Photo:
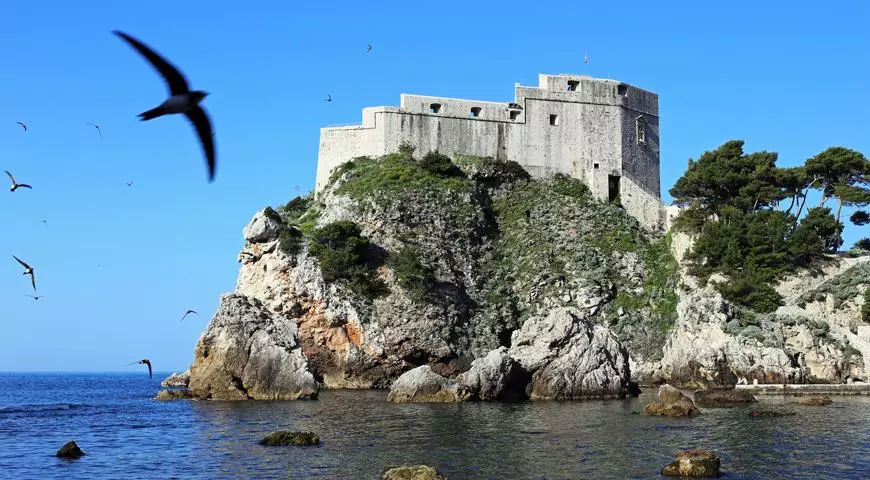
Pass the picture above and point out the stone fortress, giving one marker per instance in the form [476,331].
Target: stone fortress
[601,131]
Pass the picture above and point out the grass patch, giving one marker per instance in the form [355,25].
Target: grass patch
[346,256]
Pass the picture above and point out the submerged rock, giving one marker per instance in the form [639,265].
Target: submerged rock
[169,395]
[177,380]
[570,357]
[671,403]
[764,412]
[816,401]
[723,397]
[249,353]
[278,438]
[413,472]
[423,385]
[694,463]
[495,377]
[70,450]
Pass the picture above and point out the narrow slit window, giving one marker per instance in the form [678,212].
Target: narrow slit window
[640,123]
[475,111]
[554,119]
[434,108]
[572,85]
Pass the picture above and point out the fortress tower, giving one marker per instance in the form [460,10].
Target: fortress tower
[601,131]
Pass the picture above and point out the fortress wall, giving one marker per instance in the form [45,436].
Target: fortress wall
[340,144]
[455,107]
[640,204]
[640,161]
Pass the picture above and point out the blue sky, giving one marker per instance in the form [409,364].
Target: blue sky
[118,266]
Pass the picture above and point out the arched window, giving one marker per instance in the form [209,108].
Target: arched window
[640,124]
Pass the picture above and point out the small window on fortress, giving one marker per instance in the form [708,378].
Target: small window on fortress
[434,108]
[595,166]
[475,111]
[554,119]
[572,85]
[641,129]
[514,114]
[622,89]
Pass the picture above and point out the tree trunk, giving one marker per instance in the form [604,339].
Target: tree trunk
[793,197]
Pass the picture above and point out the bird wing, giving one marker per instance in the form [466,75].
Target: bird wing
[22,125]
[200,121]
[10,176]
[33,280]
[21,262]
[174,79]
[24,185]
[149,368]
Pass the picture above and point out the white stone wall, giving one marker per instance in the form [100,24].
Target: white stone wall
[594,135]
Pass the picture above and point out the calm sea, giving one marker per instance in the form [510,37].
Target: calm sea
[127,435]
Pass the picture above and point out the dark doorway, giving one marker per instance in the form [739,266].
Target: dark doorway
[612,187]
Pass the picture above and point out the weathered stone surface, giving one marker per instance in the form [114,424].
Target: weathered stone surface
[495,377]
[413,472]
[249,353]
[671,403]
[174,394]
[570,357]
[70,450]
[723,397]
[262,228]
[694,463]
[177,380]
[816,401]
[280,438]
[423,385]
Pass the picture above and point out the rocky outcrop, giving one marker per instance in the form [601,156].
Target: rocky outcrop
[423,385]
[281,439]
[671,403]
[70,450]
[248,353]
[264,226]
[694,463]
[411,472]
[496,376]
[723,397]
[169,395]
[815,401]
[177,380]
[570,358]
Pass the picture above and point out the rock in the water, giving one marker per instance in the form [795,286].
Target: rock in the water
[70,450]
[177,380]
[423,385]
[723,397]
[694,463]
[279,439]
[816,401]
[263,227]
[413,472]
[671,403]
[764,412]
[169,395]
[570,357]
[249,353]
[495,377]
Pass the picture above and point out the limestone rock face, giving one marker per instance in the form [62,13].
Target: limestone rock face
[570,358]
[495,377]
[177,380]
[423,385]
[413,472]
[723,397]
[671,403]
[247,353]
[694,463]
[170,395]
[262,227]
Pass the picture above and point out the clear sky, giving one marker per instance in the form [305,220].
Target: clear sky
[119,265]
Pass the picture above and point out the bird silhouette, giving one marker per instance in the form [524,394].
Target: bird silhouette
[35,297]
[28,270]
[22,126]
[16,185]
[130,183]
[97,127]
[328,97]
[370,48]
[181,100]
[188,313]
[144,361]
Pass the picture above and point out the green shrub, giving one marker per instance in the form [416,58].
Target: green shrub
[865,309]
[438,164]
[396,173]
[296,207]
[344,255]
[863,244]
[569,186]
[269,212]
[410,272]
[406,149]
[290,240]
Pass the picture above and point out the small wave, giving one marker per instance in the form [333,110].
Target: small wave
[39,407]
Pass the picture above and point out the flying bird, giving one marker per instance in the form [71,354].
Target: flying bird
[22,126]
[97,127]
[28,270]
[35,297]
[370,48]
[130,183]
[144,361]
[16,185]
[188,313]
[181,100]
[328,97]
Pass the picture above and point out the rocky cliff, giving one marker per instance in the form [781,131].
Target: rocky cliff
[404,262]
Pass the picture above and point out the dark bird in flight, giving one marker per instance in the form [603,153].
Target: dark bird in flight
[130,183]
[45,222]
[97,127]
[188,313]
[370,47]
[22,126]
[28,270]
[16,185]
[181,100]
[144,361]
[35,297]
[328,97]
